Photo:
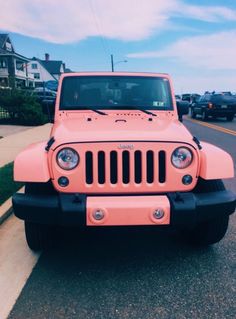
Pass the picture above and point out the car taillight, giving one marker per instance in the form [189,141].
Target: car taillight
[210,105]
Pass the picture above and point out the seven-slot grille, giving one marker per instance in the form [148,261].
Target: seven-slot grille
[125,166]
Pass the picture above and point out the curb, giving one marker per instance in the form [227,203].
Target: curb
[6,208]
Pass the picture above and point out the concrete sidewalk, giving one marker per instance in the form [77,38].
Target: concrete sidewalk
[11,145]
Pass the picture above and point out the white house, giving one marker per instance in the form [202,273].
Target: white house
[45,70]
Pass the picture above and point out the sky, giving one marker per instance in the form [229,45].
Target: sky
[192,40]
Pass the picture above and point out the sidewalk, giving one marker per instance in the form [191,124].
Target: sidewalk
[11,145]
[6,130]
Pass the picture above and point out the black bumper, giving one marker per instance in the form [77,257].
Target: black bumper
[220,112]
[70,209]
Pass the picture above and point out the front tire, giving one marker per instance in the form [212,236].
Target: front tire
[192,113]
[211,231]
[230,118]
[204,115]
[38,236]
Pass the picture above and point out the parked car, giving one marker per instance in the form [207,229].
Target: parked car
[214,105]
[43,94]
[47,99]
[119,155]
[191,98]
[186,97]
[178,97]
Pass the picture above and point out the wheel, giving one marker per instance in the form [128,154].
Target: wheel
[211,231]
[192,113]
[230,117]
[204,115]
[39,236]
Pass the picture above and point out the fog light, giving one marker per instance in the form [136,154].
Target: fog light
[187,179]
[63,181]
[98,214]
[158,213]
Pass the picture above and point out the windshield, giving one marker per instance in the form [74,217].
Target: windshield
[115,92]
[221,98]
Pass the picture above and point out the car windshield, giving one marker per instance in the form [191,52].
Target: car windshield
[221,98]
[115,92]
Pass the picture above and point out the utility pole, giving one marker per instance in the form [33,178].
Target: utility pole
[112,63]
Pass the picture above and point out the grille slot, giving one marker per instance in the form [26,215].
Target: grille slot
[162,166]
[126,167]
[138,167]
[150,167]
[101,167]
[113,167]
[89,167]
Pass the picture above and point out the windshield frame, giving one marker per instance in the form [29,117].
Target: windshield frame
[113,107]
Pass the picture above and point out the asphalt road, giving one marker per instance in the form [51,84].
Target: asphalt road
[136,274]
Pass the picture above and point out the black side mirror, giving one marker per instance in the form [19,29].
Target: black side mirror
[182,108]
[48,107]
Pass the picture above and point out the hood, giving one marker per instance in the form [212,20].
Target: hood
[122,127]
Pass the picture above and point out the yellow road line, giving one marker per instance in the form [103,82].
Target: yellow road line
[214,127]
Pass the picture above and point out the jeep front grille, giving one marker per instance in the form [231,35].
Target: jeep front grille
[125,167]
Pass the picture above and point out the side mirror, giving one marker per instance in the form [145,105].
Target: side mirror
[182,108]
[48,107]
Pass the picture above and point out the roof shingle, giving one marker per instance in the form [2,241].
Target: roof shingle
[53,67]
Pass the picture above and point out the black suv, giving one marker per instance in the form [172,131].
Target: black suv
[215,105]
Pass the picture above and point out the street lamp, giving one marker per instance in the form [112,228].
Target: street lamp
[114,63]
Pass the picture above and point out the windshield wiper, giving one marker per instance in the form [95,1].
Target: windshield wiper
[99,112]
[144,111]
[95,110]
[147,112]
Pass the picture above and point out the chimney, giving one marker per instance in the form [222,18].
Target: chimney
[47,56]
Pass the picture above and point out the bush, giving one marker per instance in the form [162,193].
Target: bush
[21,107]
[7,185]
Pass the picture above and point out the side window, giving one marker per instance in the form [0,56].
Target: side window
[202,98]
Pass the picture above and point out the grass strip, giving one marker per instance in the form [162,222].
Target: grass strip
[7,185]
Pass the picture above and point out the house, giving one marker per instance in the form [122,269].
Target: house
[46,70]
[40,73]
[13,66]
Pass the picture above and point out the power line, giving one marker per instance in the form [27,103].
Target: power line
[98,26]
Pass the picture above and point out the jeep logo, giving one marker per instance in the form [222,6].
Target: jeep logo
[126,146]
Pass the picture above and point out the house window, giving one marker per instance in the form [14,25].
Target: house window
[8,46]
[37,76]
[34,65]
[20,65]
[3,64]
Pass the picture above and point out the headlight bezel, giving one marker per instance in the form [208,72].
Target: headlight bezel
[189,152]
[75,153]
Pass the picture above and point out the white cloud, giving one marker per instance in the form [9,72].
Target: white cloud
[216,51]
[200,84]
[74,20]
[206,13]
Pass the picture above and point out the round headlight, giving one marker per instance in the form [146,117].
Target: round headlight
[67,158]
[181,157]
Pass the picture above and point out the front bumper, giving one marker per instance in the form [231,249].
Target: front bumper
[72,209]
[220,112]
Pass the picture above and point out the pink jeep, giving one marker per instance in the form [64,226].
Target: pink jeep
[119,155]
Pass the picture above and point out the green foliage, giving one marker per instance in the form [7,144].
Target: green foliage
[7,185]
[21,107]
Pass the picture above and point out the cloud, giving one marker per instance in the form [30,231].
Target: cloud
[215,51]
[74,20]
[200,84]
[205,13]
